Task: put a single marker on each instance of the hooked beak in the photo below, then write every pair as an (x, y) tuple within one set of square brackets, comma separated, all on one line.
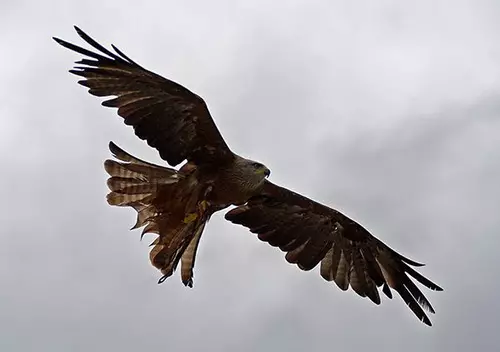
[(267, 172)]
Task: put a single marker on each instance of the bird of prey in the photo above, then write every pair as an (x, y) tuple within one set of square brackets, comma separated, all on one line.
[(176, 204)]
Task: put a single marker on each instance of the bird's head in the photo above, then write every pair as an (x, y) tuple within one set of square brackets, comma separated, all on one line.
[(260, 169), (252, 171)]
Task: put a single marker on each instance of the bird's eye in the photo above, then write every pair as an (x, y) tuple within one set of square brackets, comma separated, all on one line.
[(257, 165)]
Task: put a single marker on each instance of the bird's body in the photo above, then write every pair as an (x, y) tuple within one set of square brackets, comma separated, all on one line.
[(176, 204), (179, 202)]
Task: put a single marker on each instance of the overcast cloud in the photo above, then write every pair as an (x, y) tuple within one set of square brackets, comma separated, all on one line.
[(386, 110)]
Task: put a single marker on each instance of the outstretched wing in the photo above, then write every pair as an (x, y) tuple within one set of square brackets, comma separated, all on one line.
[(312, 233), (168, 116)]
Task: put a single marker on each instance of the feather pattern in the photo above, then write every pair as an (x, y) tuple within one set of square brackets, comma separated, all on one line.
[(148, 188), (135, 183), (189, 256), (348, 253), (168, 116)]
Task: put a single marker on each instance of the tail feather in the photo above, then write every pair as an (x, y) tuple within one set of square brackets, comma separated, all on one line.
[(144, 214), (151, 227), (179, 244), (167, 253), (141, 172), (116, 169), (132, 186), (122, 155), (123, 200), (134, 181), (116, 183), (188, 258), (146, 187)]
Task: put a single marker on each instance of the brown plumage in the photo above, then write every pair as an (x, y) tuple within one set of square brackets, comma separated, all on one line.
[(176, 204), (311, 234)]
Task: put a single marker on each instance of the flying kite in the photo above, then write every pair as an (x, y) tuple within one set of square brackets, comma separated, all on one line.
[(176, 204)]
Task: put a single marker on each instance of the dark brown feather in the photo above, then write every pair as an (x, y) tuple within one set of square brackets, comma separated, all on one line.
[(168, 116), (350, 256)]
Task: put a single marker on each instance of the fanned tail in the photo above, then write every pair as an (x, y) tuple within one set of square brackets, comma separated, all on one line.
[(134, 182), (158, 197)]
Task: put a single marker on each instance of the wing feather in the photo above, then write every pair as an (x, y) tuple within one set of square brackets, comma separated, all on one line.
[(343, 270), (311, 233), (168, 116)]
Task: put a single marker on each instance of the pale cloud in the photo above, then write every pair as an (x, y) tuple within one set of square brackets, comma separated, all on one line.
[(386, 110)]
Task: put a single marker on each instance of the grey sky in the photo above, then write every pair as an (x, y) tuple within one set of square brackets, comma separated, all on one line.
[(390, 113)]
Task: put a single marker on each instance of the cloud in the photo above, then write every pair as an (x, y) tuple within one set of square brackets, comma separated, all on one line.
[(387, 111)]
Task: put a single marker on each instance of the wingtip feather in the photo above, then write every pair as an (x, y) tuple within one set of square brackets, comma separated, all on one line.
[(80, 32), (57, 40)]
